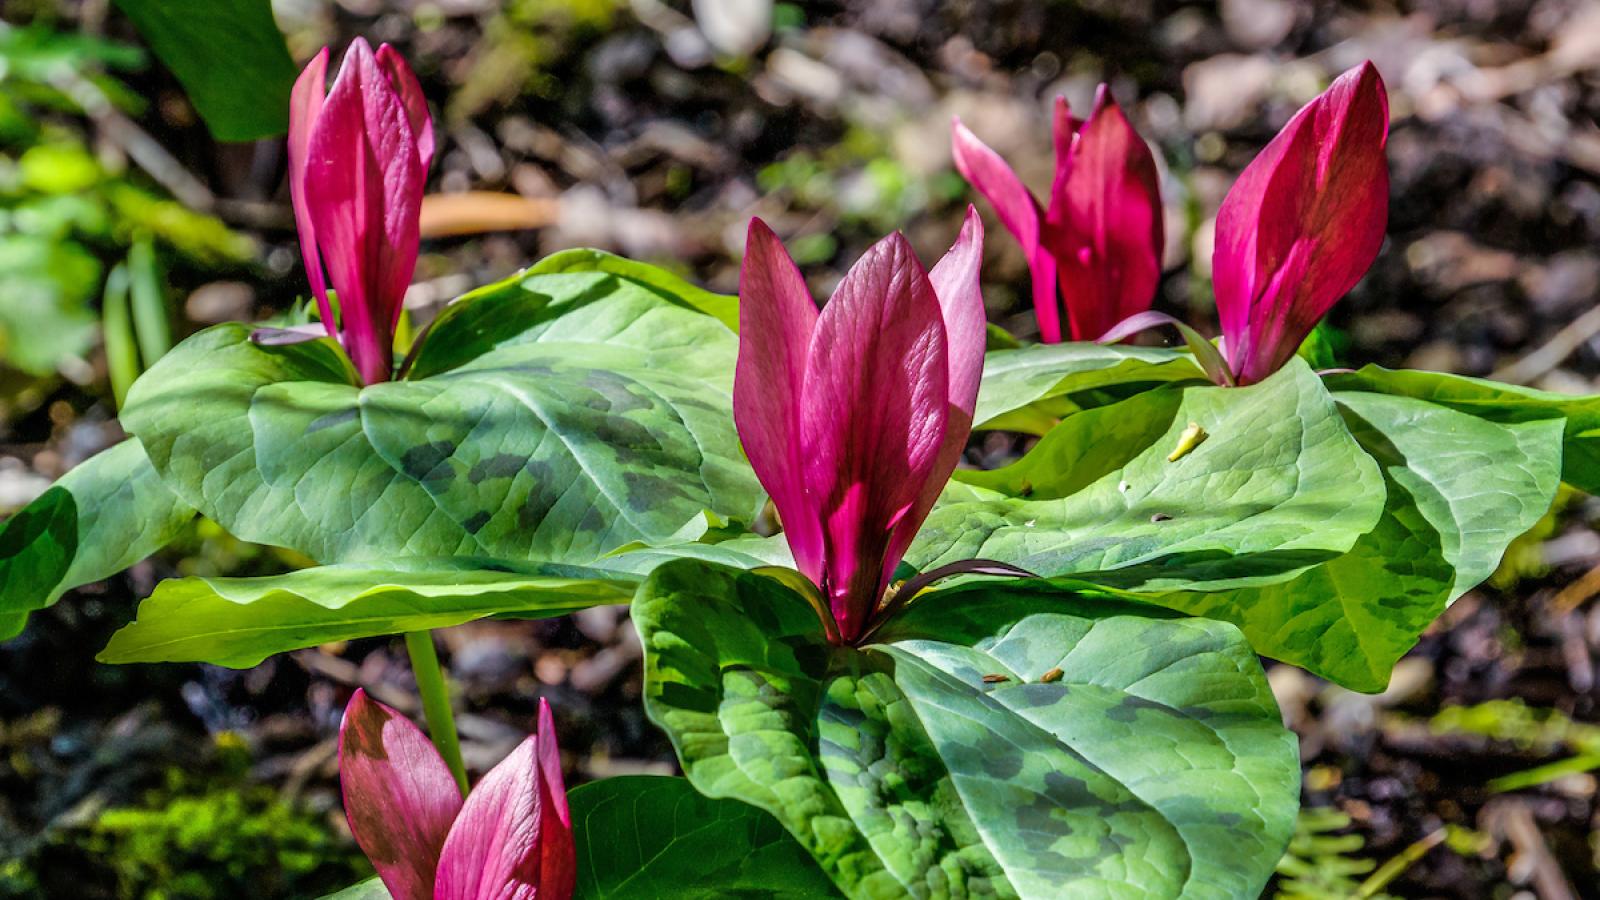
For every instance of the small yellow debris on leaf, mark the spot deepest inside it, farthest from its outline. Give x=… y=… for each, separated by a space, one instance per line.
x=1051 y=676
x=1190 y=439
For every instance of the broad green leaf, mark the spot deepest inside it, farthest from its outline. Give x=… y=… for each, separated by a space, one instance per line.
x=1478 y=483
x=238 y=622
x=1026 y=389
x=230 y=58
x=1124 y=753
x=1459 y=489
x=649 y=836
x=586 y=297
x=109 y=512
x=550 y=418
x=1504 y=403
x=1277 y=485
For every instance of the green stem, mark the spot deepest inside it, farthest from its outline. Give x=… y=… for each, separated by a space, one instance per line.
x=436 y=703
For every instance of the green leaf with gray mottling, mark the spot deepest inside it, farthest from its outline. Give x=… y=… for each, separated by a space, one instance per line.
x=238 y=622
x=552 y=417
x=107 y=513
x=1153 y=765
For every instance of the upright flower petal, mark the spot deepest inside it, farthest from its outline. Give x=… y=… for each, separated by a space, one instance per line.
x=1019 y=212
x=558 y=873
x=399 y=795
x=364 y=181
x=776 y=319
x=1104 y=225
x=513 y=839
x=410 y=91
x=1302 y=224
x=305 y=106
x=955 y=283
x=873 y=419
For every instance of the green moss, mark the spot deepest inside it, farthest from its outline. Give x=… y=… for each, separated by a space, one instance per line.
x=194 y=841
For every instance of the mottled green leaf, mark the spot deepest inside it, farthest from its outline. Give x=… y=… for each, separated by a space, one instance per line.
x=1026 y=389
x=230 y=58
x=648 y=836
x=1496 y=402
x=1109 y=752
x=238 y=622
x=552 y=417
x=108 y=513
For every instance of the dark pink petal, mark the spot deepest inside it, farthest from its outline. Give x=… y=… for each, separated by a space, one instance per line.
x=776 y=319
x=955 y=283
x=495 y=850
x=558 y=862
x=873 y=419
x=410 y=91
x=305 y=106
x=399 y=795
x=1019 y=212
x=1104 y=226
x=364 y=183
x=1302 y=224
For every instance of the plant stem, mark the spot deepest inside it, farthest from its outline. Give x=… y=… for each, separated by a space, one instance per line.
x=436 y=703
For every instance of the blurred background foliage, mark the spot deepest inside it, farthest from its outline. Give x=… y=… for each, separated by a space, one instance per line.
x=142 y=197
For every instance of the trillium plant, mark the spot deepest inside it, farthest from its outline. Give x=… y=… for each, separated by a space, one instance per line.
x=885 y=673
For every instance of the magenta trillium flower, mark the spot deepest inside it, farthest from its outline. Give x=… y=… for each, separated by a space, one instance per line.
x=1302 y=224
x=1296 y=232
x=854 y=417
x=1101 y=237
x=510 y=840
x=358 y=157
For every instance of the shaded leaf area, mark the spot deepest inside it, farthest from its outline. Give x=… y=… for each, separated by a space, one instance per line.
x=1006 y=742
x=1502 y=403
x=550 y=417
x=1029 y=388
x=238 y=622
x=651 y=836
x=239 y=37
x=108 y=513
